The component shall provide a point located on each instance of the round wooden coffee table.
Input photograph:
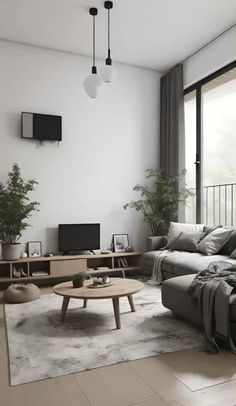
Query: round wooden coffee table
(120, 287)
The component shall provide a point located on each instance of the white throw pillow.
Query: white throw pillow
(176, 228)
(213, 242)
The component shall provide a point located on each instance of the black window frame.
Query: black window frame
(197, 87)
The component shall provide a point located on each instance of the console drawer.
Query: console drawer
(68, 267)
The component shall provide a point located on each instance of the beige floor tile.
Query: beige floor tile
(158, 375)
(219, 395)
(153, 401)
(59, 391)
(113, 385)
(197, 369)
(156, 401)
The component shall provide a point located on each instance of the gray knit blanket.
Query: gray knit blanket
(212, 289)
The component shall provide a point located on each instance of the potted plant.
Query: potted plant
(15, 208)
(78, 279)
(159, 200)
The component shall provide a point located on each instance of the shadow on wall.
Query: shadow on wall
(52, 240)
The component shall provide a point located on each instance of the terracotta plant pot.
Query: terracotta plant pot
(78, 284)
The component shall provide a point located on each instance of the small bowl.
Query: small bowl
(97, 281)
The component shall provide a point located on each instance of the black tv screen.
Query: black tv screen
(78, 237)
(41, 126)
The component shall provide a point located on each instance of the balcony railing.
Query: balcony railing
(219, 205)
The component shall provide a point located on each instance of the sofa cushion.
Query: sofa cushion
(185, 263)
(214, 241)
(176, 228)
(187, 242)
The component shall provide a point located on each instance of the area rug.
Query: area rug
(41, 347)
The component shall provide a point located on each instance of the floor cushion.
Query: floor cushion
(21, 293)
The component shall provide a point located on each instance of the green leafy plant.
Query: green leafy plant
(81, 276)
(15, 206)
(159, 200)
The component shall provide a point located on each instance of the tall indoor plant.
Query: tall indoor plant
(159, 200)
(15, 208)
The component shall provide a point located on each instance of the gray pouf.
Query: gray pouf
(20, 293)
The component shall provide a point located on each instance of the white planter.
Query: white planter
(11, 252)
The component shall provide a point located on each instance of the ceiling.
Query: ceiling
(155, 34)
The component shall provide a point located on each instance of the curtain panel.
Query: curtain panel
(172, 122)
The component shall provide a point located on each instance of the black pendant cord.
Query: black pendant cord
(93, 11)
(108, 35)
(94, 39)
(108, 6)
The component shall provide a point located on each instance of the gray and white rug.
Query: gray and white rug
(41, 347)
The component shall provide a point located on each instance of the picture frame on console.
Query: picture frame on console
(34, 248)
(120, 242)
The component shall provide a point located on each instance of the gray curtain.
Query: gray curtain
(172, 122)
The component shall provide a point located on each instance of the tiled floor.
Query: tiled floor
(186, 378)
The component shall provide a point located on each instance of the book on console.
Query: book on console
(39, 273)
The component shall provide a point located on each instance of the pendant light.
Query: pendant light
(108, 72)
(93, 81)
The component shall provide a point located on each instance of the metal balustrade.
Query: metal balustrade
(219, 205)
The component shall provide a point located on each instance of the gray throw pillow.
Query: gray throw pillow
(170, 242)
(213, 242)
(208, 229)
(187, 242)
(230, 245)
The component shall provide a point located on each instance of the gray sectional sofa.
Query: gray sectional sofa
(179, 270)
(182, 262)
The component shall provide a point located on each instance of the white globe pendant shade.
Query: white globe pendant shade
(108, 73)
(92, 84)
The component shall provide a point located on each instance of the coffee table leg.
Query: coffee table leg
(85, 303)
(116, 307)
(64, 307)
(131, 303)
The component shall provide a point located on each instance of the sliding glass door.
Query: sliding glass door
(210, 131)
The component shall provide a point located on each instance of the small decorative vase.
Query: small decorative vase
(78, 284)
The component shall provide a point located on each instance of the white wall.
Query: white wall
(107, 142)
(211, 58)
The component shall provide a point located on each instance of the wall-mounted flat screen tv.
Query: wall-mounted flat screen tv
(41, 127)
(78, 237)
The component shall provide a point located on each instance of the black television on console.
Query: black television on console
(74, 238)
(41, 127)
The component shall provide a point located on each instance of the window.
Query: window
(210, 131)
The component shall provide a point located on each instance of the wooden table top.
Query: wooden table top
(120, 287)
